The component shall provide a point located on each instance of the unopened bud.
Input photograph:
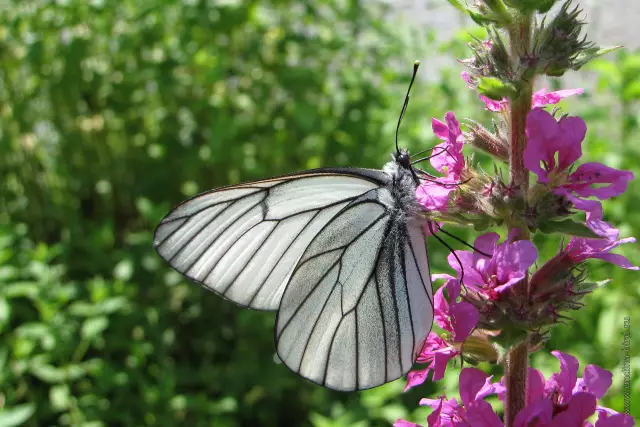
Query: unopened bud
(488, 142)
(478, 348)
(560, 45)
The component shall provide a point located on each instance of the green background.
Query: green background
(111, 112)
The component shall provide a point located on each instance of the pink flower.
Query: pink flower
(548, 139)
(473, 411)
(580, 249)
(433, 195)
(564, 399)
(508, 264)
(457, 318)
(450, 161)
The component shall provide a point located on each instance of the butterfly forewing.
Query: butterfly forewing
(244, 241)
(358, 306)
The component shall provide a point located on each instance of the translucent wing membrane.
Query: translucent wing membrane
(244, 241)
(359, 303)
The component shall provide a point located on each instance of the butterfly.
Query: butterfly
(340, 254)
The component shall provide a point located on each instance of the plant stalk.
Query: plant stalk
(517, 358)
(516, 372)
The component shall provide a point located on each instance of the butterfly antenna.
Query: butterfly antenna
(442, 150)
(453, 236)
(406, 101)
(453, 252)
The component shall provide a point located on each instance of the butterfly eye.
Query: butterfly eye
(403, 158)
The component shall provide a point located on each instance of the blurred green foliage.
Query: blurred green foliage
(112, 112)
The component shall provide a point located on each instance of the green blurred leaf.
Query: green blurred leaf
(94, 327)
(16, 415)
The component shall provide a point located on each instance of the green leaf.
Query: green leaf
(588, 54)
(458, 5)
(59, 396)
(5, 312)
(568, 227)
(496, 89)
(94, 327)
(17, 415)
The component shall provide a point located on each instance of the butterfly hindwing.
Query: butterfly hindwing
(359, 305)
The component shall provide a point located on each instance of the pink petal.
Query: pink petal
(572, 131)
(472, 381)
(618, 260)
(453, 124)
(588, 174)
(471, 276)
(542, 143)
(440, 360)
(466, 77)
(441, 313)
(567, 377)
(541, 98)
(593, 208)
(540, 410)
(415, 378)
(515, 260)
(434, 196)
(464, 318)
(595, 380)
(453, 289)
(440, 129)
(610, 418)
(480, 414)
(487, 243)
(492, 105)
(580, 407)
(535, 385)
(403, 423)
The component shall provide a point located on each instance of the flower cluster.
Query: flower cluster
(503, 300)
(562, 400)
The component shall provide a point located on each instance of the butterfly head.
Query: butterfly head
(403, 158)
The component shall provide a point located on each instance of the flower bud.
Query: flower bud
(560, 46)
(478, 347)
(488, 142)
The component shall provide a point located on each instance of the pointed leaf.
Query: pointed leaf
(568, 227)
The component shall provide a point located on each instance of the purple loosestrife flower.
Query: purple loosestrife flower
(564, 400)
(548, 139)
(433, 195)
(457, 318)
(473, 411)
(509, 263)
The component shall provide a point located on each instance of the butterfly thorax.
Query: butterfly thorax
(403, 189)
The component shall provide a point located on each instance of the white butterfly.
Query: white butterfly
(339, 253)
